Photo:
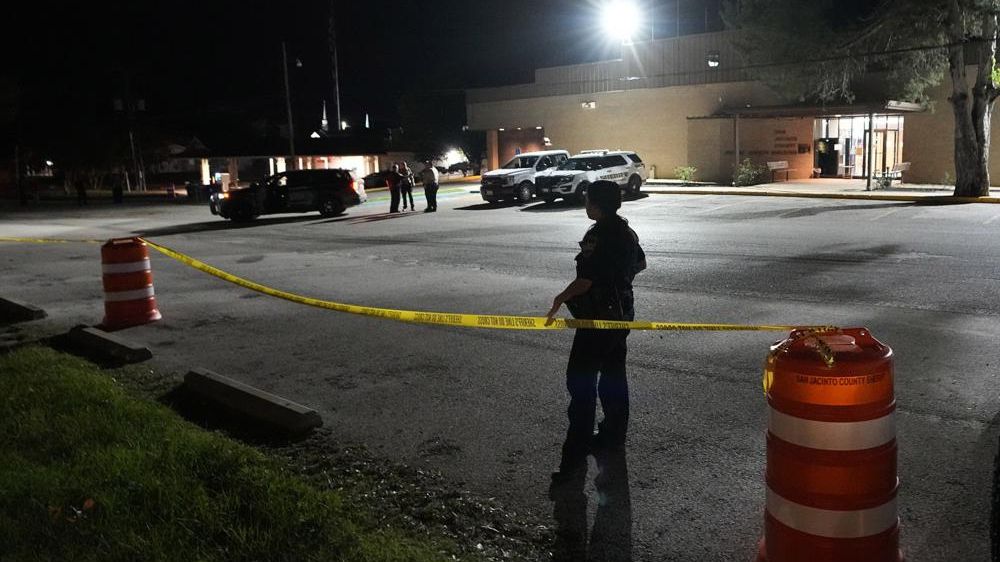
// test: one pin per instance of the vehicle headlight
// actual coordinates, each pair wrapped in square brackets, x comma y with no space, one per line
[508,180]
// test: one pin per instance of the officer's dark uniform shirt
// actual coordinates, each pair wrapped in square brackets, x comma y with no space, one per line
[610,257]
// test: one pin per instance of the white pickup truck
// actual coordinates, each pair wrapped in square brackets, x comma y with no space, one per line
[516,178]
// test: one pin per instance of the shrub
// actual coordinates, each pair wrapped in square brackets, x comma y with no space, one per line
[748,173]
[685,173]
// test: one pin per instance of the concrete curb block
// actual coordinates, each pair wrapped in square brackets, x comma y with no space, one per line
[252,402]
[107,345]
[12,311]
[941,199]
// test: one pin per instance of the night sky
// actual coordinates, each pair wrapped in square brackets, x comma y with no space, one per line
[191,60]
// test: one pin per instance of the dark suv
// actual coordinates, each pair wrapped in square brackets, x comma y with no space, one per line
[300,191]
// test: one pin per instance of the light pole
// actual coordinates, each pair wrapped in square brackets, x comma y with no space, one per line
[335,66]
[288,104]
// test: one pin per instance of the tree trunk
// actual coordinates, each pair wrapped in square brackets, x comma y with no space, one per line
[972,146]
[972,106]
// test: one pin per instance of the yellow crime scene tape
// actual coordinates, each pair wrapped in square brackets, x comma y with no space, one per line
[502,322]
[49,240]
[466,320]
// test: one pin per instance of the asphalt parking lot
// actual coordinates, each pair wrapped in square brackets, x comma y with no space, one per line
[487,407]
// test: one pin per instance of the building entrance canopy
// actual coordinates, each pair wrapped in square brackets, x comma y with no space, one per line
[799,110]
[870,148]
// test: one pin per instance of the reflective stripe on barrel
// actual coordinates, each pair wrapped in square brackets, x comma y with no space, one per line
[829,523]
[832,436]
[129,267]
[135,294]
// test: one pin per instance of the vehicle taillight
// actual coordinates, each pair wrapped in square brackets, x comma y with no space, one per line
[351,185]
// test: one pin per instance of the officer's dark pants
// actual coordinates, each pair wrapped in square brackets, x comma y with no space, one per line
[431,192]
[596,352]
[408,193]
[393,199]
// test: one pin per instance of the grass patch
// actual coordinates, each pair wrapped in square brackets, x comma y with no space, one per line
[89,473]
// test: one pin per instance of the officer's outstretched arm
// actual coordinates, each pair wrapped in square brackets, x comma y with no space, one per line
[578,287]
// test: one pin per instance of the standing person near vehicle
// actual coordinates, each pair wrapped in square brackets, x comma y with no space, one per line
[430,176]
[609,259]
[393,179]
[406,185]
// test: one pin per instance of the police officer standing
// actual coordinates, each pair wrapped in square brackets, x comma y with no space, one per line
[609,258]
[430,177]
[393,178]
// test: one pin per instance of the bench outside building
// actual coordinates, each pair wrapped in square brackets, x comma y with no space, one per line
[778,167]
[895,172]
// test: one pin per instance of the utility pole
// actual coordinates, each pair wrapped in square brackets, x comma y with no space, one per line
[336,74]
[138,166]
[288,105]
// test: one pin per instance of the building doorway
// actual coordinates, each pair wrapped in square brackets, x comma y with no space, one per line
[842,145]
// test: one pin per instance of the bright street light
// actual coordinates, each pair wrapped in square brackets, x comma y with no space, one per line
[621,19]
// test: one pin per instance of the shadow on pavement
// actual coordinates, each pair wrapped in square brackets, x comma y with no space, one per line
[222,224]
[364,219]
[611,535]
[786,213]
[557,206]
[561,205]
[488,206]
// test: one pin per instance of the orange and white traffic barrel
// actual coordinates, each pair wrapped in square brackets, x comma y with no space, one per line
[831,450]
[129,299]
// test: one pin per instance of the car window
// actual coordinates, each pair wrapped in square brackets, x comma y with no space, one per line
[296,179]
[560,158]
[544,163]
[635,157]
[521,162]
[614,160]
[583,164]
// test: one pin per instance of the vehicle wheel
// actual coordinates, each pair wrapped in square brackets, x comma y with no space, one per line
[331,208]
[634,184]
[524,192]
[581,192]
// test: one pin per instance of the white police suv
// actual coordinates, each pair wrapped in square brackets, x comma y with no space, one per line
[516,179]
[571,179]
